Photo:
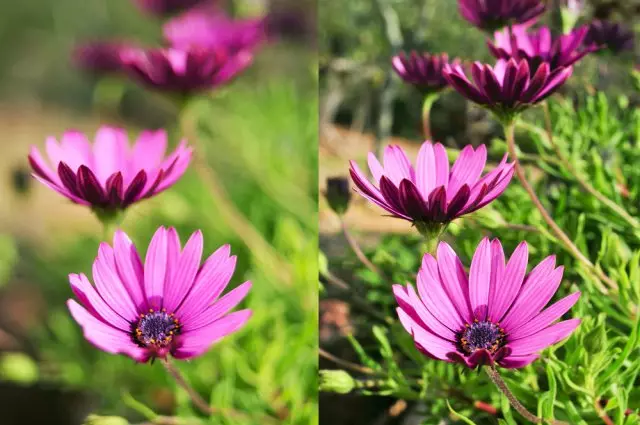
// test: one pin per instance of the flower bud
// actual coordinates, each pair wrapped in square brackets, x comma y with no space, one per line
[338,194]
[336,381]
[595,341]
[105,420]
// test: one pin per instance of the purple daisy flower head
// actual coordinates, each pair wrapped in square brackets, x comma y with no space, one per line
[509,87]
[613,36]
[208,27]
[99,57]
[539,46]
[493,314]
[422,70]
[492,15]
[109,175]
[184,71]
[430,195]
[167,7]
[168,305]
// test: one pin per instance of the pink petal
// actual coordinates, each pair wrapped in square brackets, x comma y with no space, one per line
[221,307]
[454,280]
[184,273]
[427,342]
[377,171]
[545,318]
[130,268]
[110,152]
[88,295]
[396,165]
[517,362]
[109,285]
[442,166]
[155,267]
[480,279]
[105,337]
[197,342]
[426,169]
[409,302]
[148,151]
[506,290]
[434,296]
[543,339]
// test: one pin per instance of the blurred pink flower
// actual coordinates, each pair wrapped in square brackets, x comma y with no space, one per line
[167,7]
[109,175]
[168,305]
[99,56]
[184,71]
[493,314]
[209,27]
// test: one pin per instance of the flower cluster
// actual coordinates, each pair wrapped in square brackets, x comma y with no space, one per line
[205,49]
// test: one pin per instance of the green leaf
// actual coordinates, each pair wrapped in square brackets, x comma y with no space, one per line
[457,415]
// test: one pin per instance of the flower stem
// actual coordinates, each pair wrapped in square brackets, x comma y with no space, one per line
[585,185]
[428,102]
[356,248]
[566,241]
[513,401]
[193,394]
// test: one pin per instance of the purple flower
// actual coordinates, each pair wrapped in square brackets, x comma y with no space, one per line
[184,71]
[508,88]
[614,36]
[99,57]
[423,70]
[167,7]
[430,193]
[491,15]
[168,305]
[109,175]
[208,27]
[539,46]
[493,314]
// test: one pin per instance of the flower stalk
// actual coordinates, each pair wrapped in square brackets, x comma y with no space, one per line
[197,400]
[559,233]
[495,377]
[427,104]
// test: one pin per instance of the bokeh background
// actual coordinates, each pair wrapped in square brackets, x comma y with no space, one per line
[364,106]
[259,135]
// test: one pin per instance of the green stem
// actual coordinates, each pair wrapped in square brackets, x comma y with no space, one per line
[559,233]
[428,102]
[431,233]
[495,377]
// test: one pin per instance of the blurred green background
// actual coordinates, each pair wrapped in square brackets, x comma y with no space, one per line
[260,195]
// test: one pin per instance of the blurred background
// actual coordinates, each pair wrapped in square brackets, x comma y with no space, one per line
[260,137]
[365,106]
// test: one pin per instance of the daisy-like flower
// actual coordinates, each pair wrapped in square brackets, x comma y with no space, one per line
[184,71]
[167,7]
[509,87]
[168,305]
[492,15]
[613,36]
[208,27]
[109,175]
[430,195]
[422,70]
[493,314]
[100,56]
[539,46]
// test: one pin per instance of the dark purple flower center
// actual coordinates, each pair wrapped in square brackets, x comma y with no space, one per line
[155,329]
[481,335]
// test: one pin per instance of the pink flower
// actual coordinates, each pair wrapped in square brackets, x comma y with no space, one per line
[168,305]
[493,314]
[184,71]
[430,192]
[209,27]
[109,175]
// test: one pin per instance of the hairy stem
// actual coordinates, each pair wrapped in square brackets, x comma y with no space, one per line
[198,401]
[585,185]
[513,401]
[559,233]
[428,102]
[356,248]
[601,413]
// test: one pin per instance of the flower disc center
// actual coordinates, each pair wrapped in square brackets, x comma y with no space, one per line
[156,329]
[481,335]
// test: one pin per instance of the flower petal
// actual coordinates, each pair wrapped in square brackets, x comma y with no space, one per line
[543,339]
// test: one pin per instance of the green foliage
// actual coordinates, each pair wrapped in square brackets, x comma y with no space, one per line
[600,363]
